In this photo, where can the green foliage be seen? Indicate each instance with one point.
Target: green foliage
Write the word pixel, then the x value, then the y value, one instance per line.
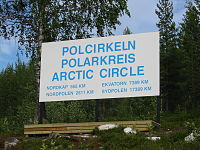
pixel 175 136
pixel 32 144
pixel 170 57
pixel 26 112
pixel 180 61
pixel 67 112
pixel 179 52
pixel 17 104
pixel 116 139
pixel 128 109
pixel 52 146
pixel 55 109
pixel 44 144
pixel 189 44
pixel 181 120
pixel 4 125
pixel 190 126
pixel 76 112
pixel 32 21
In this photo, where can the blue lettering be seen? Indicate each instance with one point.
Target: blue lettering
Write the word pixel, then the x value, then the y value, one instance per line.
pixel 70 76
pixel 103 61
pixel 65 50
pixel 112 58
pixel 123 46
pixel 121 72
pixel 101 73
pixel 131 44
pixel 117 46
pixel 72 62
pixel 140 70
pixel 108 46
pixel 79 74
pixel 55 76
pixel 64 62
pixel 131 58
pixel 79 63
pixel 88 75
pixel 120 59
pixel 80 50
pixel 101 47
pixel 95 60
pixel 63 75
pixel 131 72
pixel 87 62
pixel 86 49
pixel 115 71
pixel 75 50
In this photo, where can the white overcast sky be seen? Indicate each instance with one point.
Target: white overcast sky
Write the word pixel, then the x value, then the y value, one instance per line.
pixel 143 19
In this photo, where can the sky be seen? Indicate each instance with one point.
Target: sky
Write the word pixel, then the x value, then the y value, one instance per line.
pixel 143 19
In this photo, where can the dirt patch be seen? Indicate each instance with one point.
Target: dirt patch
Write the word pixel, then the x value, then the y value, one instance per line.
pixel 2 140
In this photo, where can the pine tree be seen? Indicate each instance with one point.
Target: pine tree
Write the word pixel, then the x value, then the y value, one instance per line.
pixel 127 31
pixel 189 44
pixel 170 59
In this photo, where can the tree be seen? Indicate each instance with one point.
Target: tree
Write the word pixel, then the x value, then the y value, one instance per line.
pixel 17 95
pixel 170 56
pixel 127 31
pixel 197 2
pixel 35 21
pixel 189 44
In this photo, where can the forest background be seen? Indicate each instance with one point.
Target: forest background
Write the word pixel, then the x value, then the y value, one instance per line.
pixel 179 51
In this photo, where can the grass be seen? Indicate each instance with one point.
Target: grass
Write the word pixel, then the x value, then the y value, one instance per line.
pixel 116 140
pixel 43 144
pixel 175 127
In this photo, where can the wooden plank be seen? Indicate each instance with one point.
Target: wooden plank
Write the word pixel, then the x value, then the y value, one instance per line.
pixel 72 128
pixel 58 128
pixel 49 132
pixel 87 124
pixel 137 126
pixel 86 127
pixel 142 129
pixel 82 127
pixel 71 131
pixel 155 124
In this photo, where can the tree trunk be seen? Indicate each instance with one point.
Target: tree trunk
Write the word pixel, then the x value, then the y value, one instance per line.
pixel 41 105
pixel 97 114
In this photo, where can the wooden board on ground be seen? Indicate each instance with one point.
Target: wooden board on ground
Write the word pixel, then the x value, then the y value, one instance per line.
pixel 85 127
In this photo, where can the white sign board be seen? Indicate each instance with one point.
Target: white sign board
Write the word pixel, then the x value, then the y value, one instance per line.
pixel 99 68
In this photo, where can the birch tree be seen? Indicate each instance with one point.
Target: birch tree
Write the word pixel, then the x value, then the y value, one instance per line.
pixel 33 22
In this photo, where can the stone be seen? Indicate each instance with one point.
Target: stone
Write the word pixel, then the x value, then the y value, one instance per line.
pixel 107 126
pixel 54 135
pixel 154 138
pixel 85 136
pixel 129 130
pixel 190 137
pixel 10 142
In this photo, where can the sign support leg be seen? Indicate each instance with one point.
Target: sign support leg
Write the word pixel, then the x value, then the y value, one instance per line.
pixel 158 109
pixel 97 110
pixel 41 112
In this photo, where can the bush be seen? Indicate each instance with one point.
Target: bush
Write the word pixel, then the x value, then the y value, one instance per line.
pixel 117 139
